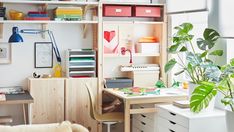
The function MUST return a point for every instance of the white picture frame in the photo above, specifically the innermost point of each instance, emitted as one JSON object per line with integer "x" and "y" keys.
{"x": 5, "y": 53}
{"x": 43, "y": 55}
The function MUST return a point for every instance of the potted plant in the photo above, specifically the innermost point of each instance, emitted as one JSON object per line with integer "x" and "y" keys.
{"x": 204, "y": 93}
{"x": 197, "y": 66}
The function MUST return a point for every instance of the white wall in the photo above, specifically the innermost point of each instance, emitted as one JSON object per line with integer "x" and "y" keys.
{"x": 22, "y": 66}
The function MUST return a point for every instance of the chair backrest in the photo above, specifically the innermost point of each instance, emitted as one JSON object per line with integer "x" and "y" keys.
{"x": 93, "y": 113}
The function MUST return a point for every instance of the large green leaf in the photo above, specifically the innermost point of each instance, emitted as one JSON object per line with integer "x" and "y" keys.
{"x": 173, "y": 48}
{"x": 217, "y": 53}
{"x": 170, "y": 64}
{"x": 201, "y": 97}
{"x": 209, "y": 40}
{"x": 232, "y": 62}
{"x": 193, "y": 59}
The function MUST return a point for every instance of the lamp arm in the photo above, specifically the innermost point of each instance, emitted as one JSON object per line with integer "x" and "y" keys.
{"x": 51, "y": 35}
{"x": 55, "y": 47}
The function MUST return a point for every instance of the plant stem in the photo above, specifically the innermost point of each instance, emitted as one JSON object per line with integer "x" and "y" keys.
{"x": 232, "y": 107}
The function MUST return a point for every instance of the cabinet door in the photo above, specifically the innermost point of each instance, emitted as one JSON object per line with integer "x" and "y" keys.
{"x": 77, "y": 102}
{"x": 48, "y": 95}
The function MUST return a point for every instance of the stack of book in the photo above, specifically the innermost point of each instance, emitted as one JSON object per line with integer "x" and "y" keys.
{"x": 37, "y": 15}
{"x": 68, "y": 14}
{"x": 2, "y": 13}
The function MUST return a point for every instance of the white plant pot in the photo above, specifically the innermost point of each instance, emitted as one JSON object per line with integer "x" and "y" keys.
{"x": 230, "y": 121}
{"x": 211, "y": 105}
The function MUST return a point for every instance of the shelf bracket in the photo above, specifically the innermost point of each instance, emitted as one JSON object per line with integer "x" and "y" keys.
{"x": 1, "y": 24}
{"x": 44, "y": 27}
{"x": 85, "y": 27}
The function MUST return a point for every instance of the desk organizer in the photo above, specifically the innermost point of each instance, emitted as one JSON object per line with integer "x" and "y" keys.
{"x": 81, "y": 63}
{"x": 118, "y": 82}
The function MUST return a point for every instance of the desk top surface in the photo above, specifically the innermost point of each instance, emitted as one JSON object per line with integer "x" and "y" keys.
{"x": 160, "y": 93}
{"x": 23, "y": 98}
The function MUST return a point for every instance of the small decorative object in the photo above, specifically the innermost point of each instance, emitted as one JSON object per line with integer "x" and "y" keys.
{"x": 5, "y": 53}
{"x": 35, "y": 75}
{"x": 175, "y": 84}
{"x": 16, "y": 15}
{"x": 160, "y": 84}
{"x": 43, "y": 55}
{"x": 123, "y": 52}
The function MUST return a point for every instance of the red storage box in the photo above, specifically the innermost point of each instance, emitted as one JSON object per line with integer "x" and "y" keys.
{"x": 147, "y": 11}
{"x": 117, "y": 11}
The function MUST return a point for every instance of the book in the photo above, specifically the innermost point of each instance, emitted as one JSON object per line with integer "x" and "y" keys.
{"x": 11, "y": 90}
{"x": 37, "y": 12}
{"x": 37, "y": 15}
{"x": 2, "y": 97}
{"x": 182, "y": 104}
{"x": 37, "y": 18}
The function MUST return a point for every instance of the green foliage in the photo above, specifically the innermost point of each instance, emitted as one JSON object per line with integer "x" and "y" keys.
{"x": 201, "y": 96}
{"x": 170, "y": 64}
{"x": 198, "y": 65}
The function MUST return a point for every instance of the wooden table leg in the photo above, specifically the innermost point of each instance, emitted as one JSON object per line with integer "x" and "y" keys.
{"x": 126, "y": 116}
{"x": 24, "y": 112}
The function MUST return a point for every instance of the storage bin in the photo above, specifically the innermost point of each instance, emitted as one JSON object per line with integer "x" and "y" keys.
{"x": 148, "y": 48}
{"x": 147, "y": 11}
{"x": 117, "y": 11}
{"x": 118, "y": 82}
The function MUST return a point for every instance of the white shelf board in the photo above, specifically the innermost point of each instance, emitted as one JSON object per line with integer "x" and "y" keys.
{"x": 131, "y": 3}
{"x": 91, "y": 66}
{"x": 36, "y": 21}
{"x": 80, "y": 61}
{"x": 134, "y": 55}
{"x": 73, "y": 72}
{"x": 82, "y": 55}
{"x": 48, "y": 2}
{"x": 132, "y": 22}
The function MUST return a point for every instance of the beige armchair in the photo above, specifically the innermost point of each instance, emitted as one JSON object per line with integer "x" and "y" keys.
{"x": 56, "y": 127}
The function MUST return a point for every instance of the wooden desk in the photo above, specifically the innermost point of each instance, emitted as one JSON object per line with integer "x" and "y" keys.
{"x": 23, "y": 99}
{"x": 167, "y": 95}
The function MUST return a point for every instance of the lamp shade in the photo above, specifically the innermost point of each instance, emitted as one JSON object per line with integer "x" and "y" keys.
{"x": 15, "y": 37}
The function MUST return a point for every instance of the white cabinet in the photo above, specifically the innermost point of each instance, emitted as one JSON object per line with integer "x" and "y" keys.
{"x": 173, "y": 119}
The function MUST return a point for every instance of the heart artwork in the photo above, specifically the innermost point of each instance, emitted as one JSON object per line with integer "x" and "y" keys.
{"x": 109, "y": 35}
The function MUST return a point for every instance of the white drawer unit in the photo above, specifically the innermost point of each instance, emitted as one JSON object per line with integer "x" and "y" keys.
{"x": 174, "y": 119}
{"x": 144, "y": 122}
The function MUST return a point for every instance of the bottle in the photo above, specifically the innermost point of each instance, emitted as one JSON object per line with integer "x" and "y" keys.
{"x": 57, "y": 70}
{"x": 129, "y": 44}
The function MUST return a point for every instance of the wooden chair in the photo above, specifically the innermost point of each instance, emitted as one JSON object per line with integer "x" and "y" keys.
{"x": 5, "y": 119}
{"x": 107, "y": 118}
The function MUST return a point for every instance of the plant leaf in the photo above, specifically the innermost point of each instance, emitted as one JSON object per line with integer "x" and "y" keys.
{"x": 173, "y": 48}
{"x": 209, "y": 40}
{"x": 183, "y": 49}
{"x": 217, "y": 53}
{"x": 194, "y": 59}
{"x": 201, "y": 97}
{"x": 232, "y": 62}
{"x": 170, "y": 64}
{"x": 204, "y": 54}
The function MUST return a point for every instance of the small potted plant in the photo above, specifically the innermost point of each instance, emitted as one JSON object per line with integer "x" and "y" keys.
{"x": 197, "y": 66}
{"x": 203, "y": 94}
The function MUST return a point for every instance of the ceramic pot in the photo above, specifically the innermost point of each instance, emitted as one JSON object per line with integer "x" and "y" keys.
{"x": 230, "y": 120}
{"x": 211, "y": 105}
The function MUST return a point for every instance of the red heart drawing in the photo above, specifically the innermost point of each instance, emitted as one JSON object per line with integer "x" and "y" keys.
{"x": 109, "y": 35}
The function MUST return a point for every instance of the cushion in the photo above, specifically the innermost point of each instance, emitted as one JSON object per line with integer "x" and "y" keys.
{"x": 63, "y": 127}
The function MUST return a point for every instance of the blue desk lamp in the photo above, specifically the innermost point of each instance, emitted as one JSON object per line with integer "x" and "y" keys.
{"x": 16, "y": 38}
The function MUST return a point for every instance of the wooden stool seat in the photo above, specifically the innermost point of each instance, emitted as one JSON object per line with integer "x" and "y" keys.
{"x": 5, "y": 119}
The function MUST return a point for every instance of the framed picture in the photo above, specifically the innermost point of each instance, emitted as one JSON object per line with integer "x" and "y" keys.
{"x": 5, "y": 53}
{"x": 43, "y": 54}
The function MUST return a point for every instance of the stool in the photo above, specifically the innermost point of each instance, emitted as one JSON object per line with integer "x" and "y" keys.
{"x": 5, "y": 119}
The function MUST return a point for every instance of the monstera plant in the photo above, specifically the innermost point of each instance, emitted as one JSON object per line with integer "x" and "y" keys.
{"x": 203, "y": 94}
{"x": 197, "y": 65}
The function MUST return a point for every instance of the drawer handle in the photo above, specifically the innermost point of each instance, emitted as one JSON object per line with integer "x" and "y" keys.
{"x": 148, "y": 11}
{"x": 171, "y": 130}
{"x": 118, "y": 10}
{"x": 172, "y": 113}
{"x": 143, "y": 123}
{"x": 143, "y": 115}
{"x": 172, "y": 122}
